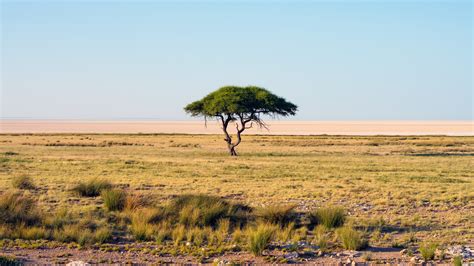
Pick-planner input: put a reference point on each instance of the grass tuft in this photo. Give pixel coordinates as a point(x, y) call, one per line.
point(259, 237)
point(114, 199)
point(278, 214)
point(351, 239)
point(17, 208)
point(203, 210)
point(330, 217)
point(92, 187)
point(428, 250)
point(23, 182)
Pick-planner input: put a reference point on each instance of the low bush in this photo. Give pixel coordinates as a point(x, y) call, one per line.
point(114, 199)
point(428, 250)
point(23, 182)
point(330, 217)
point(259, 237)
point(17, 208)
point(92, 187)
point(351, 239)
point(278, 214)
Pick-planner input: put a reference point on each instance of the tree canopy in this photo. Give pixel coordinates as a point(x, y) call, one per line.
point(243, 105)
point(235, 100)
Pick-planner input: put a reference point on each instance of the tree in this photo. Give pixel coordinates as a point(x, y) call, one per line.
point(243, 106)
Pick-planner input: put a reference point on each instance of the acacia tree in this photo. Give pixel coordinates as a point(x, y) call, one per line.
point(242, 106)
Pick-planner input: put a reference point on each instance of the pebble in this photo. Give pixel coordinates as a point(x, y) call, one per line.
point(464, 251)
point(78, 263)
point(291, 255)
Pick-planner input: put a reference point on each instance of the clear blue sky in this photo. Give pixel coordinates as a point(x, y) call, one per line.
point(344, 60)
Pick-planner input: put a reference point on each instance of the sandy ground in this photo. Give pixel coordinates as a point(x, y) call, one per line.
point(454, 128)
point(53, 256)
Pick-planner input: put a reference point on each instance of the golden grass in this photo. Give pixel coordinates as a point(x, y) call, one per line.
point(419, 185)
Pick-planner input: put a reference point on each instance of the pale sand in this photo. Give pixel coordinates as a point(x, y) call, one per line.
point(454, 128)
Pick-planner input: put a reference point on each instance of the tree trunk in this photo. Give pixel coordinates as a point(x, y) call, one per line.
point(232, 151)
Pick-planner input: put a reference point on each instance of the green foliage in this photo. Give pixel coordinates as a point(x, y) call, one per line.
point(17, 208)
point(241, 100)
point(114, 199)
point(92, 187)
point(23, 182)
point(457, 260)
point(277, 214)
point(331, 217)
point(428, 250)
point(351, 239)
point(260, 237)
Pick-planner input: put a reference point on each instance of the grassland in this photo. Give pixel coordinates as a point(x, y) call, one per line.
point(399, 191)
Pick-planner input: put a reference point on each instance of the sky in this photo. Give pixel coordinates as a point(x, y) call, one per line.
point(337, 60)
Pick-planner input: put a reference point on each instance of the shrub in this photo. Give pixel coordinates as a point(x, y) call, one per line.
point(17, 208)
point(114, 199)
point(351, 239)
point(428, 250)
point(260, 237)
point(92, 188)
point(23, 182)
point(281, 215)
point(330, 217)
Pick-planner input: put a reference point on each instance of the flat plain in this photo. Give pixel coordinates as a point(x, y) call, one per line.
point(401, 192)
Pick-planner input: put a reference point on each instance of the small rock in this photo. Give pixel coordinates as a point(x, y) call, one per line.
point(414, 260)
point(78, 263)
point(292, 255)
point(348, 261)
point(404, 251)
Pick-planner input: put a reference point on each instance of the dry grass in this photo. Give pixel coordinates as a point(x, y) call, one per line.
point(92, 187)
point(421, 185)
point(23, 182)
